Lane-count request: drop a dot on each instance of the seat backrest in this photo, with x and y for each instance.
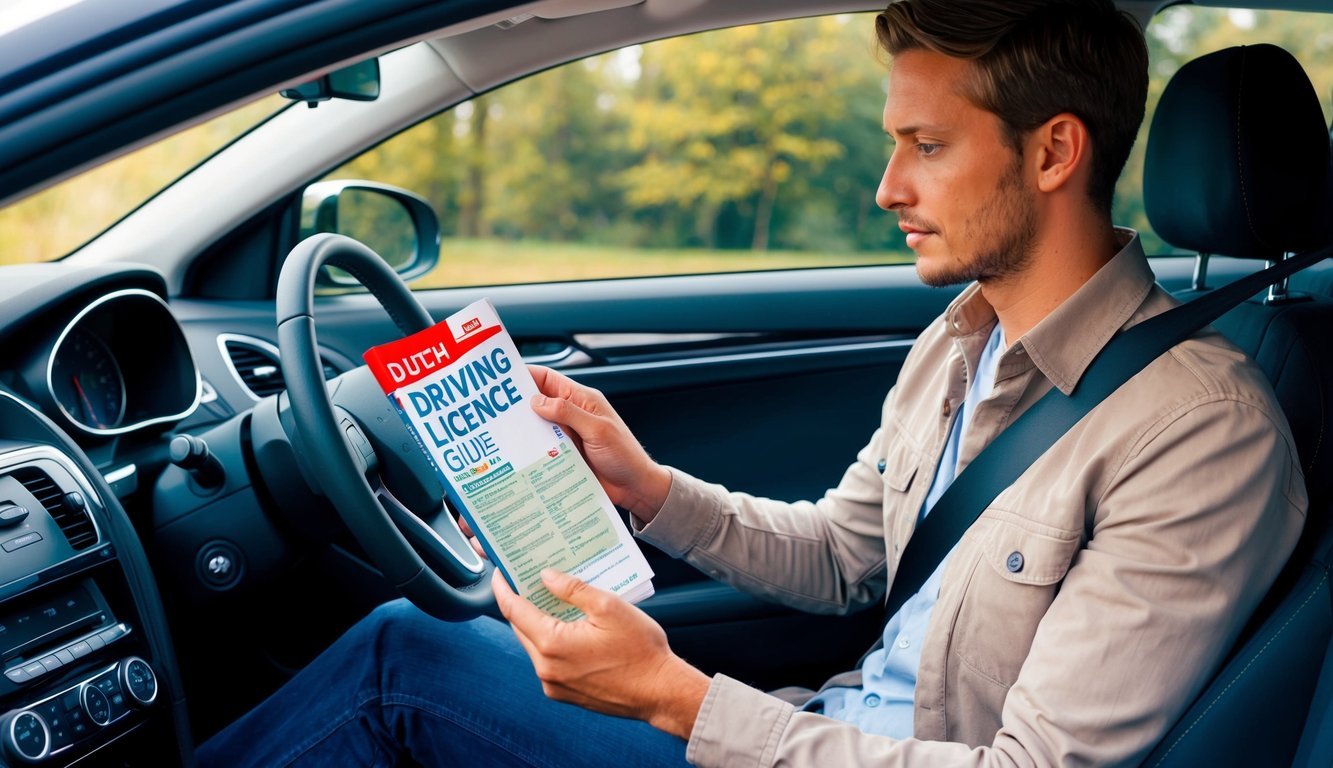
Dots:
(1216, 181)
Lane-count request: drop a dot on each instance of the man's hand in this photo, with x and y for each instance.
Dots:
(632, 480)
(615, 660)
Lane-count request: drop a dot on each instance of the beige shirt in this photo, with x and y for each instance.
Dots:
(1148, 532)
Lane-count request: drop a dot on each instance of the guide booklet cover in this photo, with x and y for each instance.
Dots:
(516, 478)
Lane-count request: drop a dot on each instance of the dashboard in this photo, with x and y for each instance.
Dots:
(118, 459)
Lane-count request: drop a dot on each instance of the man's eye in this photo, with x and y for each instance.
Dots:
(926, 150)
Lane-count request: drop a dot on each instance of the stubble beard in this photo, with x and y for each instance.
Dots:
(1002, 232)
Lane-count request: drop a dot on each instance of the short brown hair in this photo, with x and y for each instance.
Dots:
(1034, 59)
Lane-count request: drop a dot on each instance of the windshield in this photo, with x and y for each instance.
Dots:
(60, 219)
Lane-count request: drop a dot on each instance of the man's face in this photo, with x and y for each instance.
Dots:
(954, 181)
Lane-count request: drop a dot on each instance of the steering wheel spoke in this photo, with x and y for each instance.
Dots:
(438, 540)
(352, 448)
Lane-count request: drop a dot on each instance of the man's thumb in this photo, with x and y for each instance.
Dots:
(572, 590)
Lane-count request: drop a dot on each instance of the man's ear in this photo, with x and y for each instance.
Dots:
(1062, 152)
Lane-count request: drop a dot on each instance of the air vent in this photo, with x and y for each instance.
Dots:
(255, 363)
(73, 521)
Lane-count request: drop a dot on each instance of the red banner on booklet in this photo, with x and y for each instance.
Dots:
(415, 357)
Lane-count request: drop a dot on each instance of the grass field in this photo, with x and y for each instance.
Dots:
(501, 262)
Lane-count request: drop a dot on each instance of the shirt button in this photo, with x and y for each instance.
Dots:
(904, 642)
(946, 409)
(872, 700)
(881, 465)
(1015, 562)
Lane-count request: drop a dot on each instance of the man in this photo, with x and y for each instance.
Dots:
(1075, 619)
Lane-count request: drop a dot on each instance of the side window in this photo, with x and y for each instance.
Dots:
(750, 148)
(1182, 33)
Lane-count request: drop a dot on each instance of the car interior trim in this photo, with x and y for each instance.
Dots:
(117, 475)
(754, 357)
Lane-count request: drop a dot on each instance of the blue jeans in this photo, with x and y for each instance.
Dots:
(401, 684)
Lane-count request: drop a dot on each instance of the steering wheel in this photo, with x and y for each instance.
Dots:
(353, 447)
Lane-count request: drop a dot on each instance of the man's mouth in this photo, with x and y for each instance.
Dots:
(914, 234)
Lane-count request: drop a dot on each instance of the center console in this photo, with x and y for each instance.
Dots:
(79, 680)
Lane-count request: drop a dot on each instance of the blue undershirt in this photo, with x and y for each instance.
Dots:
(883, 705)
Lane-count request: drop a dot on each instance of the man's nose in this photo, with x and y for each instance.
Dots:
(894, 192)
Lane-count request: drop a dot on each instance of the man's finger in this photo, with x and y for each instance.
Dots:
(522, 614)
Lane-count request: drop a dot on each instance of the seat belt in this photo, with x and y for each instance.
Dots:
(1010, 454)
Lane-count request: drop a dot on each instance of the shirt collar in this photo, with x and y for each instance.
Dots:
(1064, 343)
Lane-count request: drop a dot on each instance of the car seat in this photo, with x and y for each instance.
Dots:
(1237, 165)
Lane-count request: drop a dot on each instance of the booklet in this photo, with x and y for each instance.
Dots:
(518, 480)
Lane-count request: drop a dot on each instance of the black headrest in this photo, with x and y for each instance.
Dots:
(1237, 156)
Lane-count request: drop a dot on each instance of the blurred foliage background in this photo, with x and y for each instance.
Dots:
(749, 148)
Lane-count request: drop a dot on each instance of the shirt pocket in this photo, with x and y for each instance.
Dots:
(1021, 564)
(901, 462)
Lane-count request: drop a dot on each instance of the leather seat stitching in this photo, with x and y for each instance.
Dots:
(1323, 578)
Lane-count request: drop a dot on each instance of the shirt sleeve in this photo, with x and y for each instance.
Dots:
(1184, 544)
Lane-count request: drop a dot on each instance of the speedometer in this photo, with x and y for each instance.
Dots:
(86, 381)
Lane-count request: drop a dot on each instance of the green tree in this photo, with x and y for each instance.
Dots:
(726, 119)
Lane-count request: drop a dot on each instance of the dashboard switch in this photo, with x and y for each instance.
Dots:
(220, 564)
(191, 454)
(19, 542)
(11, 515)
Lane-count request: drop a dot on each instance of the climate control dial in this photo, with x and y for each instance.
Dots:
(27, 737)
(95, 704)
(138, 681)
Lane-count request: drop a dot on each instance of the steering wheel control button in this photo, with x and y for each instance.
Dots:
(96, 705)
(19, 542)
(357, 439)
(11, 515)
(220, 565)
(27, 737)
(138, 679)
(1014, 562)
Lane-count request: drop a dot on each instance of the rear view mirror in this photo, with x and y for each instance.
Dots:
(358, 82)
(398, 225)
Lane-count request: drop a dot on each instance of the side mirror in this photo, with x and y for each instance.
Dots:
(398, 225)
(357, 82)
